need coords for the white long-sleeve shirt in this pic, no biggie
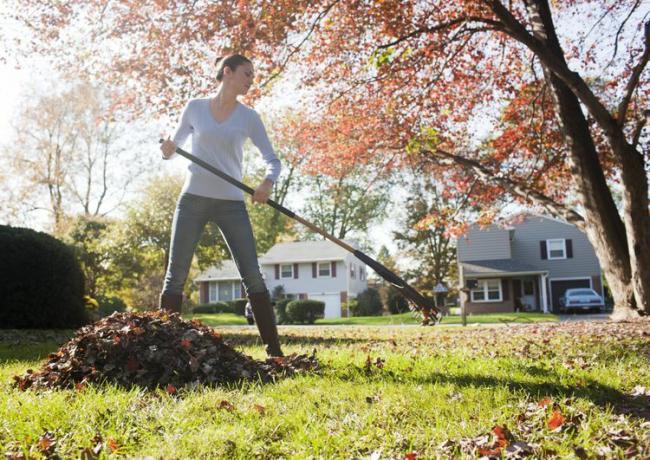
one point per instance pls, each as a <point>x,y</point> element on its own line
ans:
<point>221,145</point>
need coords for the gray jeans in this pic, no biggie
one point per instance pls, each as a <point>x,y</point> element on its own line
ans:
<point>192,214</point>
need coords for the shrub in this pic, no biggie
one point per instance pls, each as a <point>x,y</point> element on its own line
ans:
<point>278,292</point>
<point>214,307</point>
<point>368,303</point>
<point>394,300</point>
<point>238,306</point>
<point>42,283</point>
<point>305,311</point>
<point>281,311</point>
<point>110,304</point>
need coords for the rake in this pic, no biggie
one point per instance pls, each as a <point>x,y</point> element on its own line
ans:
<point>417,302</point>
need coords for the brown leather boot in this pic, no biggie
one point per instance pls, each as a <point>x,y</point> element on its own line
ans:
<point>265,320</point>
<point>171,302</point>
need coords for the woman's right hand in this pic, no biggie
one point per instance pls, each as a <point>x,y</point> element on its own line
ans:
<point>168,148</point>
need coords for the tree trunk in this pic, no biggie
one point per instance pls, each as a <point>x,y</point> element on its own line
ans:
<point>604,228</point>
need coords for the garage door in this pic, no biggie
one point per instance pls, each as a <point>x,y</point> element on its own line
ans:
<point>332,304</point>
<point>559,287</point>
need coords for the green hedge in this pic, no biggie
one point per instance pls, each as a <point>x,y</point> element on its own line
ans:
<point>368,304</point>
<point>281,311</point>
<point>238,306</point>
<point>42,285</point>
<point>305,311</point>
<point>214,307</point>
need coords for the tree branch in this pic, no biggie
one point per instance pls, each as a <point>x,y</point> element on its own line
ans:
<point>559,67</point>
<point>320,16</point>
<point>636,134</point>
<point>516,188</point>
<point>634,78</point>
<point>494,25</point>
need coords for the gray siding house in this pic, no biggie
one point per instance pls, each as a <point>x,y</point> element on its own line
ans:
<point>526,265</point>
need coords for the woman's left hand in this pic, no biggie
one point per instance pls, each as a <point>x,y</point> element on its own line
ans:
<point>263,192</point>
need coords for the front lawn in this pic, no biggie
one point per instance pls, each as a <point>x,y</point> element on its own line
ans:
<point>410,318</point>
<point>570,390</point>
<point>230,319</point>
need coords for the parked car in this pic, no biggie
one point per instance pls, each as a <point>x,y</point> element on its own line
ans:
<point>581,299</point>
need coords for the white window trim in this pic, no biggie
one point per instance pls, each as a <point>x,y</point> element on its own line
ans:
<point>548,249</point>
<point>282,272</point>
<point>484,284</point>
<point>329,267</point>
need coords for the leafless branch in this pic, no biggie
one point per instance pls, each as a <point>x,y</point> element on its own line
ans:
<point>634,78</point>
<point>493,25</point>
<point>296,48</point>
<point>620,29</point>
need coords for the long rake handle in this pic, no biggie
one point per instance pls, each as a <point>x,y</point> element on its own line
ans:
<point>421,302</point>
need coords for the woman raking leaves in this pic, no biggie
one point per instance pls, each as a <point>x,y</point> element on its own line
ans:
<point>219,127</point>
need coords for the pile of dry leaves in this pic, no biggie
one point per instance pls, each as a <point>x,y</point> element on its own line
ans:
<point>154,349</point>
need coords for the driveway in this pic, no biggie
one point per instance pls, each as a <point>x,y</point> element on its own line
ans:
<point>584,317</point>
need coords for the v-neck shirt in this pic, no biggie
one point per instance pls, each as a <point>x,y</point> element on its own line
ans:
<point>221,145</point>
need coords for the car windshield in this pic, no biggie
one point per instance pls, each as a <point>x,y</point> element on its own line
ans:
<point>582,292</point>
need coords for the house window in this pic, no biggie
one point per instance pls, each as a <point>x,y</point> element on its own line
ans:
<point>324,269</point>
<point>286,271</point>
<point>362,273</point>
<point>556,249</point>
<point>487,291</point>
<point>212,296</point>
<point>237,289</point>
<point>352,274</point>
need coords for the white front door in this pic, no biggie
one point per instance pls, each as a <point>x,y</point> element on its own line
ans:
<point>332,304</point>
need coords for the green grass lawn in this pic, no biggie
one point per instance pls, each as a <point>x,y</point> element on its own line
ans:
<point>579,390</point>
<point>230,319</point>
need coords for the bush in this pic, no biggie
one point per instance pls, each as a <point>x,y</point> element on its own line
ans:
<point>214,307</point>
<point>110,304</point>
<point>281,311</point>
<point>238,306</point>
<point>305,311</point>
<point>394,300</point>
<point>368,304</point>
<point>42,283</point>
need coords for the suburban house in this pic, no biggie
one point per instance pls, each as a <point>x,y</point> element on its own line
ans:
<point>527,264</point>
<point>319,270</point>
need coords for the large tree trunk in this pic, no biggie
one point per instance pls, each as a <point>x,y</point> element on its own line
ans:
<point>615,243</point>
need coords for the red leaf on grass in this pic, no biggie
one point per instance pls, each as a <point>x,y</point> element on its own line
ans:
<point>112,444</point>
<point>411,456</point>
<point>544,402</point>
<point>556,420</point>
<point>226,405</point>
<point>487,451</point>
<point>170,389</point>
<point>501,435</point>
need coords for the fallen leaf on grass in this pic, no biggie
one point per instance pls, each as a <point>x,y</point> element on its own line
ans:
<point>170,389</point>
<point>260,409</point>
<point>411,456</point>
<point>226,405</point>
<point>555,421</point>
<point>47,443</point>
